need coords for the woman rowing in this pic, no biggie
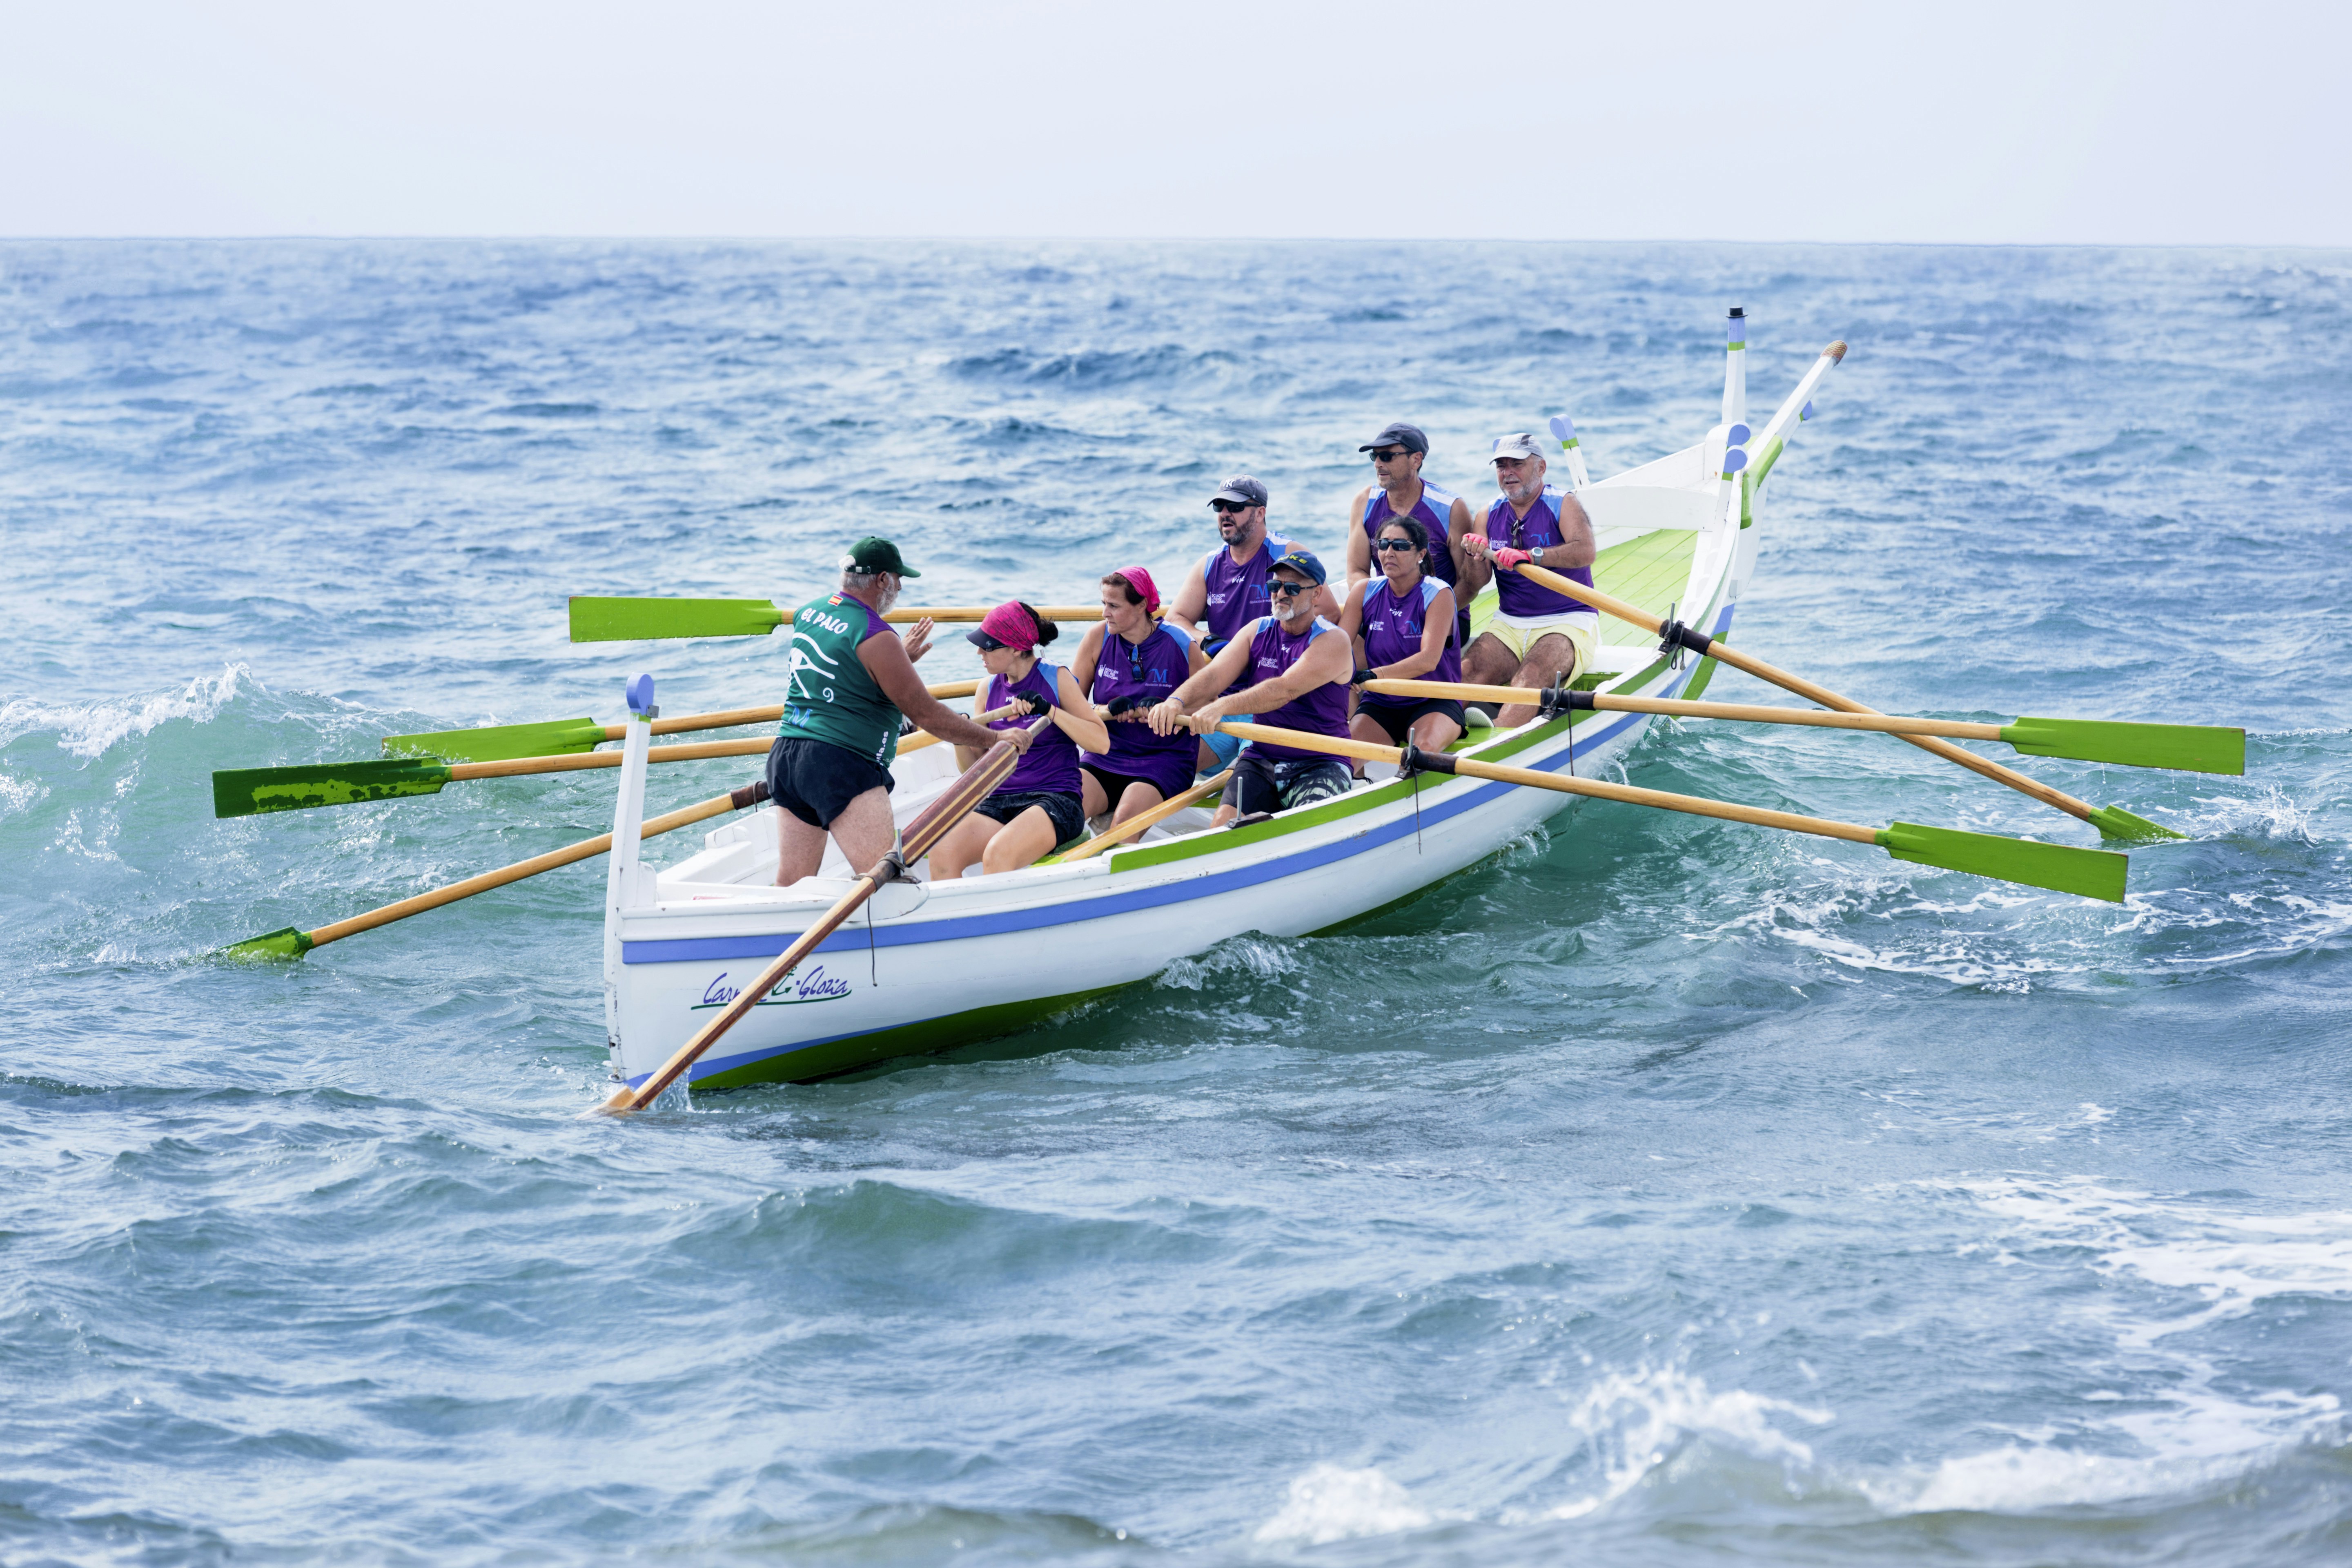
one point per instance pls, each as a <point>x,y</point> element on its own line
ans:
<point>1127,664</point>
<point>1037,806</point>
<point>1402,625</point>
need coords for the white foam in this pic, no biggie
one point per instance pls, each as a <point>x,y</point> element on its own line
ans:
<point>1329,1503</point>
<point>88,729</point>
<point>1634,1422</point>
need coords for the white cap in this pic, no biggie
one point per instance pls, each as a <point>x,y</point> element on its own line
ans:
<point>1519,446</point>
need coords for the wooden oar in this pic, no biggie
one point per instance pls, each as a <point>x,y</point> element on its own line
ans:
<point>1143,821</point>
<point>2195,748</point>
<point>499,741</point>
<point>293,941</point>
<point>2112,821</point>
<point>247,792</point>
<point>914,841</point>
<point>2062,867</point>
<point>632,620</point>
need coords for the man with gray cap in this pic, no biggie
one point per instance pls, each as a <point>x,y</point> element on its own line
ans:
<point>1537,637</point>
<point>1398,490</point>
<point>1226,589</point>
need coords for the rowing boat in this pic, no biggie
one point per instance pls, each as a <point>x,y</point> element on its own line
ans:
<point>925,967</point>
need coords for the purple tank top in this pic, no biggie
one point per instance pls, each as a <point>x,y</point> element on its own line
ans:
<point>1237,593</point>
<point>1540,527</point>
<point>1392,628</point>
<point>1148,672</point>
<point>1434,512</point>
<point>1050,766</point>
<point>1322,710</point>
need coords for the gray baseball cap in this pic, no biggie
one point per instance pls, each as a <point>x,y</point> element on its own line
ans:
<point>1521,444</point>
<point>1399,434</point>
<point>1241,490</point>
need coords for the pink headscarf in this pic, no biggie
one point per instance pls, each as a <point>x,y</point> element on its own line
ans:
<point>1141,581</point>
<point>1010,625</point>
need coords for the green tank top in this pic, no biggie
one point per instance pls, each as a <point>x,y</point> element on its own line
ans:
<point>833,696</point>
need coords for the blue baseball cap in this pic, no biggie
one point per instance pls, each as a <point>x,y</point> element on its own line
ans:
<point>1302,562</point>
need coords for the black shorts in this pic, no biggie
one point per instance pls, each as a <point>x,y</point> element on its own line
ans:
<point>1114,785</point>
<point>1274,784</point>
<point>1399,721</point>
<point>1062,808</point>
<point>816,780</point>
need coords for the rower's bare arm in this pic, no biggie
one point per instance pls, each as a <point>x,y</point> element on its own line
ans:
<point>1327,661</point>
<point>1351,614</point>
<point>1327,603</point>
<point>1457,523</point>
<point>884,659</point>
<point>1167,715</point>
<point>1083,662</point>
<point>1359,548</point>
<point>1576,546</point>
<point>1191,603</point>
<point>1076,717</point>
<point>918,638</point>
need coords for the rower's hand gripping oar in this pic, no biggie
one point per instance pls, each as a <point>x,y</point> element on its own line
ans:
<point>632,620</point>
<point>2112,821</point>
<point>247,792</point>
<point>2197,748</point>
<point>500,743</point>
<point>2062,867</point>
<point>916,840</point>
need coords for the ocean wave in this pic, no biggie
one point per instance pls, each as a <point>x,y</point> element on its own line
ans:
<point>89,730</point>
<point>1331,1503</point>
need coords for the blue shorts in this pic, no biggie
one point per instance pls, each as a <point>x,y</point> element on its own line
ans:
<point>1227,747</point>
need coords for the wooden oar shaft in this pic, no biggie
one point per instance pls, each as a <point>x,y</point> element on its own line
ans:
<point>687,722</point>
<point>961,613</point>
<point>1566,784</point>
<point>1636,615</point>
<point>586,849</point>
<point>757,746</point>
<point>914,841</point>
<point>1674,708</point>
<point>1144,821</point>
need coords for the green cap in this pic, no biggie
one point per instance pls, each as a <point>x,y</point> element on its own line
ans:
<point>872,554</point>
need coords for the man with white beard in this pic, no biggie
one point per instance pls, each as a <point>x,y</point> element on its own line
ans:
<point>853,688</point>
<point>1537,637</point>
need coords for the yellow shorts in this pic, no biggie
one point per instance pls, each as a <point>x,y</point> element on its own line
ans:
<point>1519,633</point>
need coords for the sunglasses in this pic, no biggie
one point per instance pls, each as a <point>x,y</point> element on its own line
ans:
<point>1287,590</point>
<point>1388,454</point>
<point>1402,545</point>
<point>1221,507</point>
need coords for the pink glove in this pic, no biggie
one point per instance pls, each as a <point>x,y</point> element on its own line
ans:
<point>1475,544</point>
<point>1510,560</point>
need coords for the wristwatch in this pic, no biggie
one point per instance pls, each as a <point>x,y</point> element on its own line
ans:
<point>1535,555</point>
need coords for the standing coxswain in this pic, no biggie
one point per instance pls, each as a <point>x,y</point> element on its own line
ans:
<point>1290,670</point>
<point>1398,490</point>
<point>1127,664</point>
<point>1537,637</point>
<point>853,686</point>
<point>1037,806</point>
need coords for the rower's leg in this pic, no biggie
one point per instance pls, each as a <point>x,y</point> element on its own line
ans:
<point>1134,801</point>
<point>1364,727</point>
<point>966,842</point>
<point>800,848</point>
<point>1487,662</point>
<point>1551,657</point>
<point>1024,841</point>
<point>1091,798</point>
<point>864,830</point>
<point>1435,731</point>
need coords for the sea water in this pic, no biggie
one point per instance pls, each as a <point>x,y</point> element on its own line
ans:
<point>1661,1191</point>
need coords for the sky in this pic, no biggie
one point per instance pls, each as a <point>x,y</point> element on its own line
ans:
<point>1988,122</point>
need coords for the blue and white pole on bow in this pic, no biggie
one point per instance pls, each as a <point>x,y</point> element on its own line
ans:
<point>1563,430</point>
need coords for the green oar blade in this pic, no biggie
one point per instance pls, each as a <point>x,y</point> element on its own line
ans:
<point>628,620</point>
<point>243,792</point>
<point>2194,748</point>
<point>500,743</point>
<point>290,942</point>
<point>2061,868</point>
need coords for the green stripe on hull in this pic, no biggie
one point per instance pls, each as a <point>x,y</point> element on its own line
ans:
<point>837,1057</point>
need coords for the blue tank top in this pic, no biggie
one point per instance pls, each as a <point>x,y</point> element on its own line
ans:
<point>1050,766</point>
<point>1148,671</point>
<point>1320,711</point>
<point>1237,594</point>
<point>1392,628</point>
<point>1540,527</point>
